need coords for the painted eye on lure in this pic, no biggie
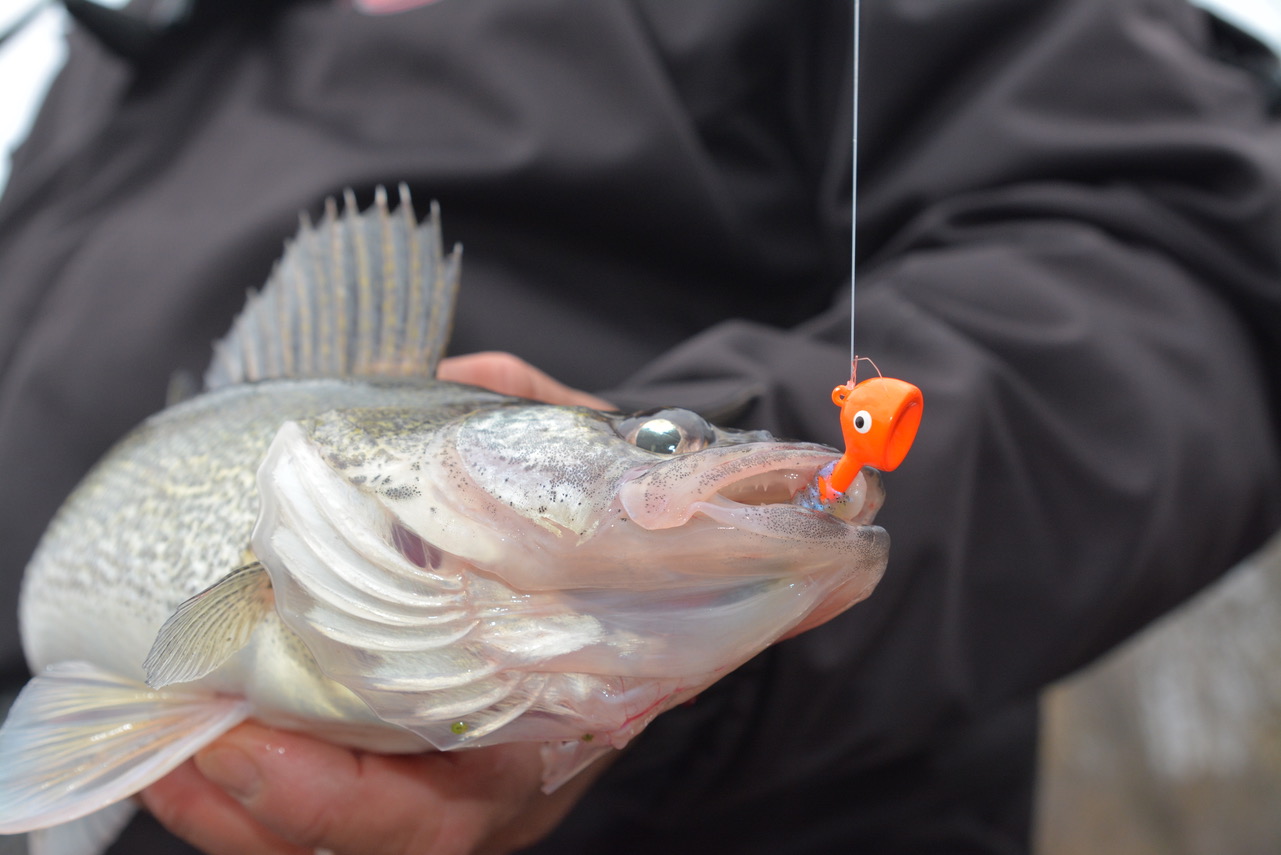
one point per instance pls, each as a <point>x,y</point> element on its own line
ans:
<point>667,431</point>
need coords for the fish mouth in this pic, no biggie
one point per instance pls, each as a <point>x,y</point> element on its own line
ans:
<point>776,487</point>
<point>755,486</point>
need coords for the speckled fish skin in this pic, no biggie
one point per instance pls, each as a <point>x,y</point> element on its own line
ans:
<point>104,579</point>
<point>330,540</point>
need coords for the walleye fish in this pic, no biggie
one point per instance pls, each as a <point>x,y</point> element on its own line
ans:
<point>328,539</point>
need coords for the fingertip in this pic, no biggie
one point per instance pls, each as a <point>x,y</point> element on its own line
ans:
<point>485,368</point>
<point>255,763</point>
<point>232,769</point>
<point>165,798</point>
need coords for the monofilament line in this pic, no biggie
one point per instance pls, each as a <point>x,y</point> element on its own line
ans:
<point>854,184</point>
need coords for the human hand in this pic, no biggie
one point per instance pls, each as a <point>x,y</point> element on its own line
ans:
<point>262,791</point>
<point>511,375</point>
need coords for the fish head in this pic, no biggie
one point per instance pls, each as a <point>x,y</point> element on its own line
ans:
<point>613,555</point>
<point>550,498</point>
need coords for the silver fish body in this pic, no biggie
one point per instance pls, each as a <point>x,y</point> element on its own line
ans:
<point>104,579</point>
<point>332,541</point>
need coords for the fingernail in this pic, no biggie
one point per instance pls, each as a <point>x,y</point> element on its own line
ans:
<point>231,769</point>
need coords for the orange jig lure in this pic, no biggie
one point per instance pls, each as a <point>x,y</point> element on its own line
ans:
<point>879,420</point>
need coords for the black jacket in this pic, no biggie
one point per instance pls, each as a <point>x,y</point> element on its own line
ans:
<point>1069,237</point>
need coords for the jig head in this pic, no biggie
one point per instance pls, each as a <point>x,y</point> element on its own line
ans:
<point>879,420</point>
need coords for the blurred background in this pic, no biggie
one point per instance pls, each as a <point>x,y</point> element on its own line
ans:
<point>1170,746</point>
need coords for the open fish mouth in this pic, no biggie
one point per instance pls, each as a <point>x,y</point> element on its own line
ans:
<point>776,487</point>
<point>754,486</point>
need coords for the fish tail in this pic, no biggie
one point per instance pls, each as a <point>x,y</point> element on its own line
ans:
<point>79,739</point>
<point>358,294</point>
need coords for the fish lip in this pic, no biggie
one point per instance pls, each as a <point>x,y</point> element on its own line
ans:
<point>715,482</point>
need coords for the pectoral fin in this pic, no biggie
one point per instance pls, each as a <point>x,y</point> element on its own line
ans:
<point>79,739</point>
<point>209,627</point>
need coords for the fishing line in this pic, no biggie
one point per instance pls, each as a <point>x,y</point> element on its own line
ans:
<point>854,190</point>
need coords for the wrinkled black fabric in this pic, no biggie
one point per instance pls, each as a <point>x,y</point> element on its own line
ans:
<point>1070,238</point>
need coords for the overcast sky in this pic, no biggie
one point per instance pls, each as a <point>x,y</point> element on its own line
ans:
<point>30,59</point>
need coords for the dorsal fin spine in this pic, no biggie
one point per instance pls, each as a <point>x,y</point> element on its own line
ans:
<point>338,270</point>
<point>415,312</point>
<point>392,313</point>
<point>359,252</point>
<point>440,324</point>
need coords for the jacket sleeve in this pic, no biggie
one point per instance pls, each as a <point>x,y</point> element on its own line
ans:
<point>1072,248</point>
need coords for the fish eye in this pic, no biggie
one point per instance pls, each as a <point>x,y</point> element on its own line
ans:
<point>862,421</point>
<point>667,431</point>
<point>660,436</point>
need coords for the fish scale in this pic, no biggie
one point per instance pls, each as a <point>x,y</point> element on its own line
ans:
<point>184,470</point>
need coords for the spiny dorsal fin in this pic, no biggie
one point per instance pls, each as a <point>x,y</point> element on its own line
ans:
<point>360,294</point>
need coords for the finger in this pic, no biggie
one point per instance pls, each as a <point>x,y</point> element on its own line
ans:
<point>511,375</point>
<point>192,808</point>
<point>320,796</point>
